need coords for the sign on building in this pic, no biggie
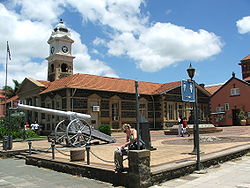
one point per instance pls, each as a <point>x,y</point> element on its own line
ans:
<point>188,91</point>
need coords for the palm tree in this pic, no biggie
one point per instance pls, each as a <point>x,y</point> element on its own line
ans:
<point>9,92</point>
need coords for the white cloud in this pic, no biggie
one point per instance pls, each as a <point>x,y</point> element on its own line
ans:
<point>243,25</point>
<point>164,44</point>
<point>84,63</point>
<point>27,32</point>
<point>37,10</point>
<point>121,15</point>
<point>153,47</point>
<point>98,41</point>
<point>128,32</point>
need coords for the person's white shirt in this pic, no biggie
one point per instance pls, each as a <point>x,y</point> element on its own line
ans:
<point>34,126</point>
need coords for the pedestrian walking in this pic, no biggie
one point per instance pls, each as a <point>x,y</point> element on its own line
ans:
<point>180,126</point>
<point>35,127</point>
<point>185,127</point>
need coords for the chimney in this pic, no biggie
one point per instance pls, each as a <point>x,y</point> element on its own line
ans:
<point>202,85</point>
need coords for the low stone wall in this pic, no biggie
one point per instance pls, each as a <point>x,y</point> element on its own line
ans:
<point>139,174</point>
<point>88,171</point>
<point>178,170</point>
<point>203,129</point>
<point>11,153</point>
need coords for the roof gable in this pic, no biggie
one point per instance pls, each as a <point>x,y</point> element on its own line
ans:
<point>228,82</point>
<point>246,58</point>
<point>31,86</point>
<point>164,88</point>
<point>212,89</point>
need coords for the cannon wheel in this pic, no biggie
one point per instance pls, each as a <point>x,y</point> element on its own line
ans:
<point>60,131</point>
<point>78,133</point>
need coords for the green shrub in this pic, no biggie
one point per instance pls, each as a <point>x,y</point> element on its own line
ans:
<point>30,133</point>
<point>16,133</point>
<point>4,132</point>
<point>105,129</point>
<point>11,123</point>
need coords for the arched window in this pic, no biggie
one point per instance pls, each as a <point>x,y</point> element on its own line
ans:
<point>64,67</point>
<point>52,67</point>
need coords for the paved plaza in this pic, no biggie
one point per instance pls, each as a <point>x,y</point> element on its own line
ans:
<point>170,149</point>
<point>231,174</point>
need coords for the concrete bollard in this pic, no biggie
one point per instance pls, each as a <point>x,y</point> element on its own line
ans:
<point>88,155</point>
<point>53,149</point>
<point>139,168</point>
<point>30,144</point>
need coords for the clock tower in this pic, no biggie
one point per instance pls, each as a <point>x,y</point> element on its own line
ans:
<point>60,60</point>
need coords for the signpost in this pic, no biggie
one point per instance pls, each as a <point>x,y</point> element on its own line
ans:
<point>188,90</point>
<point>188,93</point>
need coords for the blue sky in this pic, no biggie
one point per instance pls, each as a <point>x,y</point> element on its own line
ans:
<point>145,40</point>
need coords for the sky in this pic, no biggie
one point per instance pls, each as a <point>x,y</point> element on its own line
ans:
<point>145,40</point>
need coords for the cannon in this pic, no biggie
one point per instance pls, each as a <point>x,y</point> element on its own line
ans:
<point>74,130</point>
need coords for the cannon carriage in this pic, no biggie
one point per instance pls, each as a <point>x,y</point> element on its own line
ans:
<point>75,130</point>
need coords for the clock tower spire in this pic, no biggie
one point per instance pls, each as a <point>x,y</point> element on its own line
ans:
<point>60,60</point>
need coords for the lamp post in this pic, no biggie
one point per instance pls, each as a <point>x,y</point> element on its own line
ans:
<point>196,150</point>
<point>137,114</point>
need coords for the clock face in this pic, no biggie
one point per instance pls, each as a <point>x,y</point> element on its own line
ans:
<point>65,49</point>
<point>52,50</point>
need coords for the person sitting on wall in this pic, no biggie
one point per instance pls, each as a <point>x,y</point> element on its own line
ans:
<point>131,138</point>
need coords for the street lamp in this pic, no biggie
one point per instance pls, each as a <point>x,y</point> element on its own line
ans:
<point>196,150</point>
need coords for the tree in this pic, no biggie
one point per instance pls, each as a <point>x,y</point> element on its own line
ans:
<point>9,92</point>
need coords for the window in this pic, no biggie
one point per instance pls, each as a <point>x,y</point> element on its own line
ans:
<point>170,112</point>
<point>115,111</point>
<point>235,92</point>
<point>227,106</point>
<point>219,109</point>
<point>64,67</point>
<point>180,110</point>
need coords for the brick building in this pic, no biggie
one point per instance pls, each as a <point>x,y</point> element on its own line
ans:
<point>232,97</point>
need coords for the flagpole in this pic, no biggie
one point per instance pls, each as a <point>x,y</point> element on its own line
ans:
<point>6,73</point>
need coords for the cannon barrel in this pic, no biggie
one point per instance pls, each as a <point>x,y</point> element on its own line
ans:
<point>54,112</point>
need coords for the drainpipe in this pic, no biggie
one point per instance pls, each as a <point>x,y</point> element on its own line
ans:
<point>72,105</point>
<point>153,108</point>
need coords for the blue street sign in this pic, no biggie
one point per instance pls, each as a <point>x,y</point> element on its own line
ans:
<point>188,91</point>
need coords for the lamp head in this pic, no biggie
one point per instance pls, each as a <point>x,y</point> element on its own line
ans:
<point>191,71</point>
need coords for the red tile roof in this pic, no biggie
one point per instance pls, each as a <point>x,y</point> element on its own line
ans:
<point>93,82</point>
<point>2,94</point>
<point>247,79</point>
<point>212,89</point>
<point>16,97</point>
<point>247,57</point>
<point>44,82</point>
<point>167,86</point>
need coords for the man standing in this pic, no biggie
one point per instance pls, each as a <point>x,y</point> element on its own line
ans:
<point>180,126</point>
